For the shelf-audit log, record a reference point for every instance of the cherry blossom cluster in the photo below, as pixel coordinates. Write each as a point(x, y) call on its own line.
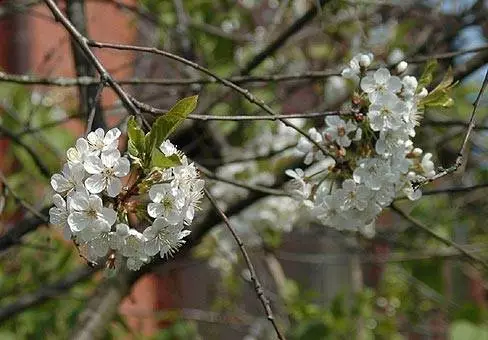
point(374, 159)
point(137, 221)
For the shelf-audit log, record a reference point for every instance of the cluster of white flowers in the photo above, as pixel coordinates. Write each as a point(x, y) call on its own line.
point(94, 209)
point(375, 159)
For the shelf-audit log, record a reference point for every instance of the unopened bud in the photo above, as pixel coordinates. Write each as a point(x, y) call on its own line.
point(364, 60)
point(417, 152)
point(423, 93)
point(401, 67)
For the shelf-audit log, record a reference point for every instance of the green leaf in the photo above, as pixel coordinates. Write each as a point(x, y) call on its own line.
point(428, 73)
point(136, 138)
point(165, 125)
point(440, 95)
point(158, 159)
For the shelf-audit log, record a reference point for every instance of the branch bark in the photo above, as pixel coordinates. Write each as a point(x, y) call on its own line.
point(75, 10)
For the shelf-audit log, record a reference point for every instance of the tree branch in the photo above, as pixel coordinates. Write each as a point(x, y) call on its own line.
point(419, 225)
point(88, 95)
point(83, 44)
point(45, 293)
point(254, 278)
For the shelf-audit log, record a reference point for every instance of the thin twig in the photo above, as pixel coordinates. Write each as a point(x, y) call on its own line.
point(283, 37)
point(419, 225)
point(462, 150)
point(93, 109)
point(244, 92)
point(269, 155)
point(453, 190)
point(258, 188)
point(254, 278)
point(32, 130)
point(83, 42)
point(299, 76)
point(21, 201)
point(14, 138)
point(45, 293)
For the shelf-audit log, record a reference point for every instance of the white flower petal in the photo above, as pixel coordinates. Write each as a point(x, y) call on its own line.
point(110, 158)
point(79, 221)
point(122, 167)
point(111, 136)
point(79, 201)
point(93, 165)
point(152, 246)
point(95, 183)
point(60, 184)
point(109, 215)
point(114, 186)
point(155, 209)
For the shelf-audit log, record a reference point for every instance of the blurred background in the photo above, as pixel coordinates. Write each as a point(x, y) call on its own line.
point(394, 282)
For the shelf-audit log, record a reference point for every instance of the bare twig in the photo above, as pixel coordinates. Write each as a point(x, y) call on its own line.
point(14, 138)
point(452, 190)
point(462, 150)
point(244, 92)
point(21, 201)
point(14, 235)
point(45, 293)
point(258, 188)
point(75, 9)
point(419, 225)
point(91, 116)
point(283, 37)
point(257, 285)
point(299, 76)
point(83, 42)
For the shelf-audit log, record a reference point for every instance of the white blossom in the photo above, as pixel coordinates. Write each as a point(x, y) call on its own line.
point(354, 69)
point(353, 195)
point(380, 83)
point(427, 165)
point(88, 212)
point(106, 172)
point(79, 153)
point(401, 67)
point(305, 146)
point(163, 238)
point(299, 187)
point(71, 178)
point(386, 113)
point(167, 148)
point(58, 215)
point(100, 141)
point(167, 202)
point(134, 244)
point(338, 131)
point(117, 241)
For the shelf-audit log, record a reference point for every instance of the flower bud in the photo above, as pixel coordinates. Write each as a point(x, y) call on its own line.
point(417, 152)
point(364, 60)
point(423, 93)
point(401, 67)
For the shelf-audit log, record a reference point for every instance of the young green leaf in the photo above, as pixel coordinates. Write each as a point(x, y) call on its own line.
point(440, 96)
point(158, 159)
point(136, 138)
point(428, 74)
point(165, 125)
